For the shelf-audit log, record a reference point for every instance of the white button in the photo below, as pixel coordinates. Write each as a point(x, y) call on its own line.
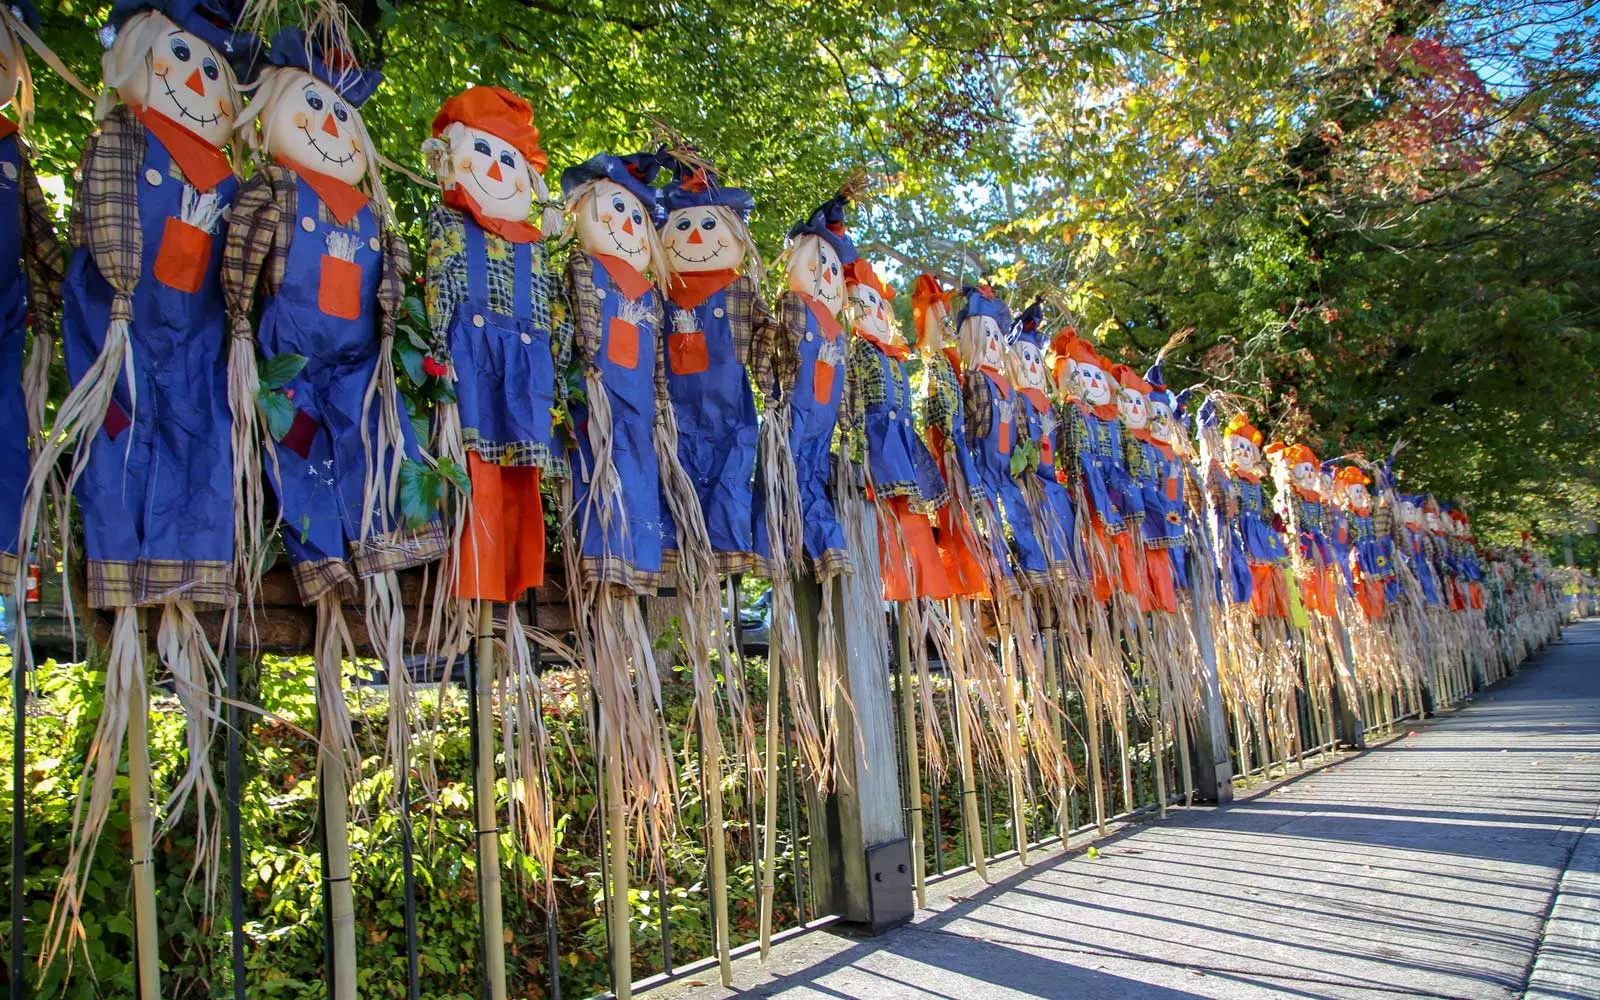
point(477, 320)
point(372, 244)
point(893, 415)
point(717, 312)
point(810, 335)
point(308, 223)
point(527, 338)
point(152, 177)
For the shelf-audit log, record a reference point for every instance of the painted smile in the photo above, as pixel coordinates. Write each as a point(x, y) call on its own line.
point(492, 196)
point(695, 260)
point(337, 161)
point(183, 109)
point(630, 251)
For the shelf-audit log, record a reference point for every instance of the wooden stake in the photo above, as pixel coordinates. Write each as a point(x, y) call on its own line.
point(1185, 773)
point(769, 833)
point(711, 771)
point(336, 835)
point(908, 726)
point(141, 814)
point(1091, 701)
point(1053, 695)
point(488, 834)
point(1158, 733)
point(617, 826)
point(1019, 820)
point(969, 785)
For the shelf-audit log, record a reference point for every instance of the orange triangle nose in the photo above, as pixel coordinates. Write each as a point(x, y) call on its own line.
point(827, 276)
point(494, 170)
point(694, 236)
point(627, 226)
point(330, 126)
point(196, 83)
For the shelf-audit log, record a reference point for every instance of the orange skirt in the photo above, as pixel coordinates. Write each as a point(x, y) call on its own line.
point(912, 563)
point(1158, 581)
point(1369, 594)
point(502, 553)
point(1269, 592)
point(1316, 590)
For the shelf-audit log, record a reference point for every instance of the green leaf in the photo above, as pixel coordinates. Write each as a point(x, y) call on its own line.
point(411, 360)
point(280, 369)
point(278, 409)
point(421, 491)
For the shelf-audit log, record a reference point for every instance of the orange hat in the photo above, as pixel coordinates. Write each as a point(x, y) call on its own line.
point(859, 272)
point(925, 294)
point(498, 112)
point(1068, 344)
point(1240, 426)
point(1297, 453)
point(1130, 379)
point(1351, 475)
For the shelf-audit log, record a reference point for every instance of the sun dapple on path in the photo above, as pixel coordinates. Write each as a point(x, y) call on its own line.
point(1460, 861)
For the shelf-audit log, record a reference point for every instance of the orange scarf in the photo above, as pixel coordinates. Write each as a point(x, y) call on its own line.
point(8, 128)
point(203, 164)
point(343, 200)
point(1000, 381)
point(690, 289)
point(510, 230)
point(629, 280)
point(827, 322)
point(897, 351)
point(1040, 401)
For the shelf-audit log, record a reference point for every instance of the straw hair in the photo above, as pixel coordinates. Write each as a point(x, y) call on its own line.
point(24, 33)
point(129, 57)
point(582, 200)
point(12, 53)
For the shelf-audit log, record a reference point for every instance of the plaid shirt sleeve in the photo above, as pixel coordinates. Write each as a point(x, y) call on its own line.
point(446, 277)
point(663, 394)
point(105, 206)
point(41, 252)
point(977, 407)
point(392, 280)
point(253, 247)
point(585, 303)
point(555, 292)
point(774, 365)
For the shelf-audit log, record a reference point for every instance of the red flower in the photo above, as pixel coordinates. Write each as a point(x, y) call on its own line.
point(432, 367)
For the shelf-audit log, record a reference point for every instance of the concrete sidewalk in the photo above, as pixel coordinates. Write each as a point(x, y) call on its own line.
point(1426, 868)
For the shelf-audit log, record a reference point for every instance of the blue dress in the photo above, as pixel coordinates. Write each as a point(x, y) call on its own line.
point(157, 490)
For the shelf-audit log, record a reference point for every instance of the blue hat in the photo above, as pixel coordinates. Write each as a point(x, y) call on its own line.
point(636, 172)
point(1159, 392)
point(982, 301)
point(1209, 415)
point(26, 13)
point(827, 221)
point(1030, 325)
point(696, 187)
point(213, 21)
point(336, 67)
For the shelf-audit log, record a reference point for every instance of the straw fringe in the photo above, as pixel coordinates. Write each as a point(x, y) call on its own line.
point(526, 742)
point(197, 681)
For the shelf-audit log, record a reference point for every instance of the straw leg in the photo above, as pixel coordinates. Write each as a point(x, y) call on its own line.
point(1096, 773)
point(908, 724)
point(769, 832)
point(1128, 805)
point(494, 941)
point(19, 816)
point(617, 824)
point(141, 814)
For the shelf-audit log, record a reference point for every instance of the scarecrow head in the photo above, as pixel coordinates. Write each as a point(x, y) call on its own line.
point(15, 79)
point(930, 311)
point(486, 153)
point(869, 299)
point(1304, 469)
point(1431, 516)
point(181, 59)
point(1082, 374)
point(819, 249)
point(706, 226)
point(981, 328)
point(614, 207)
point(308, 101)
point(1411, 511)
point(1242, 444)
point(1161, 422)
point(1132, 403)
point(1027, 349)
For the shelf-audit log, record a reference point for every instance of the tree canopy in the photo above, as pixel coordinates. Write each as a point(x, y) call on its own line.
point(1373, 220)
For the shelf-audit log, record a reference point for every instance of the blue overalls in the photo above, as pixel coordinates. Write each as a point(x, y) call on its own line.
point(505, 373)
point(993, 457)
point(1164, 523)
point(1423, 566)
point(327, 312)
point(158, 485)
point(632, 541)
point(716, 412)
point(1061, 525)
point(897, 458)
point(13, 334)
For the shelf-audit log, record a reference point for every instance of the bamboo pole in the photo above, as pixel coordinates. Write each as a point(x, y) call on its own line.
point(908, 725)
point(1092, 710)
point(1053, 694)
point(1185, 771)
point(1158, 740)
point(342, 908)
point(488, 834)
point(1019, 820)
point(617, 827)
point(769, 833)
point(141, 815)
point(969, 785)
point(711, 772)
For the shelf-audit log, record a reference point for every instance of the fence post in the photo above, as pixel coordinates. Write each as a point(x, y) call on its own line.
point(859, 849)
point(1213, 767)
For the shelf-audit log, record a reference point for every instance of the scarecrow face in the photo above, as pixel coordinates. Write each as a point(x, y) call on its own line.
point(1091, 383)
point(1243, 454)
point(1030, 366)
point(814, 270)
point(984, 332)
point(1308, 477)
point(1160, 421)
point(11, 62)
point(702, 239)
point(1356, 495)
point(316, 128)
point(616, 223)
point(494, 173)
point(1131, 404)
point(185, 83)
point(1430, 517)
point(1411, 514)
point(873, 316)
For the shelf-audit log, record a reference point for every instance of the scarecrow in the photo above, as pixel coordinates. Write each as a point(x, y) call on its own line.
point(314, 276)
point(501, 331)
point(147, 418)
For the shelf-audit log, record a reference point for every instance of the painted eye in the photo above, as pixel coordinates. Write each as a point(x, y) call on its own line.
point(340, 113)
point(211, 70)
point(180, 49)
point(617, 205)
point(479, 146)
point(683, 225)
point(508, 159)
point(314, 100)
point(638, 219)
point(708, 223)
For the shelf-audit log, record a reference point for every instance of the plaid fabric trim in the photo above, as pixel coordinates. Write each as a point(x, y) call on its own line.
point(516, 454)
point(865, 366)
point(392, 279)
point(9, 566)
point(775, 358)
point(115, 584)
point(397, 550)
point(732, 563)
point(624, 578)
point(257, 247)
point(41, 253)
point(313, 579)
point(585, 301)
point(754, 329)
point(834, 562)
point(105, 204)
